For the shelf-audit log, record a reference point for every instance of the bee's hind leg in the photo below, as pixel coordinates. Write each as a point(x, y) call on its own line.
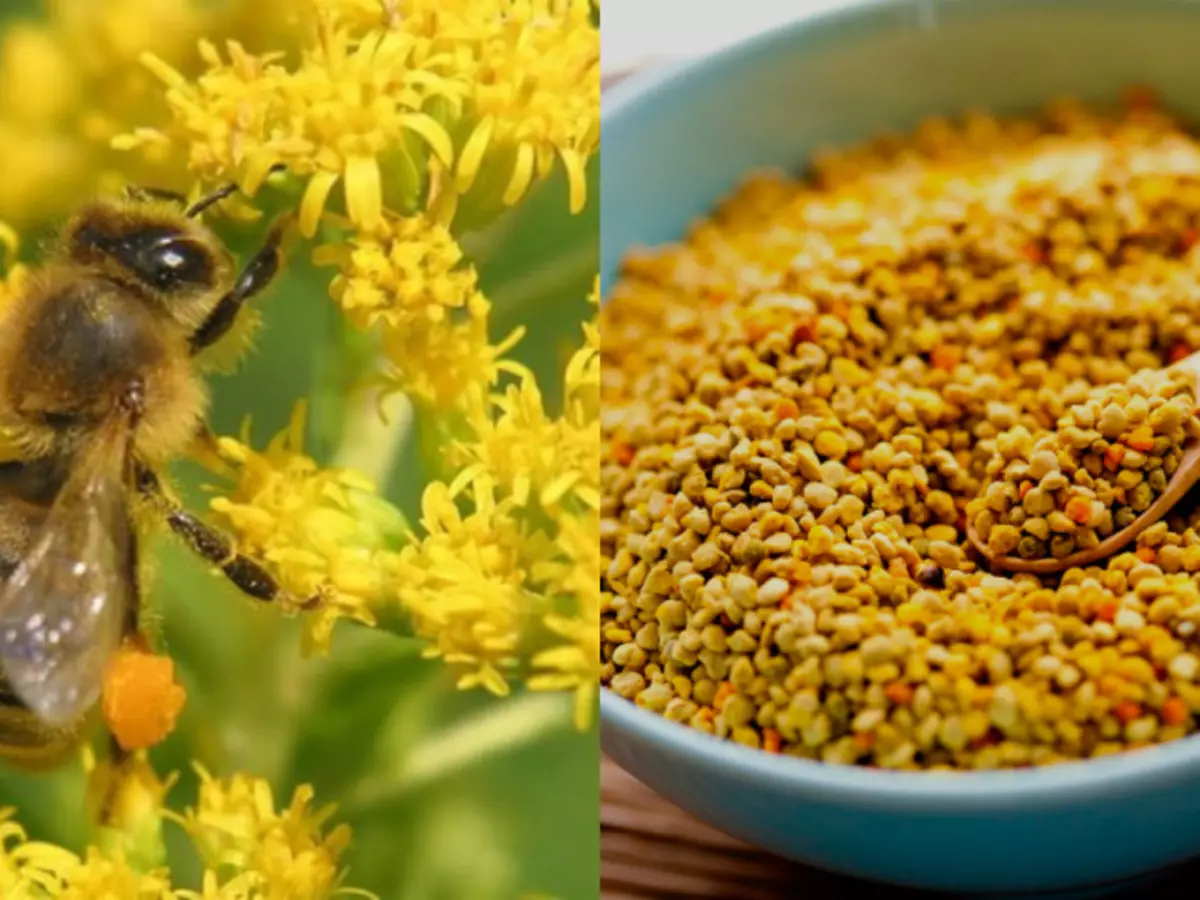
point(258, 273)
point(215, 547)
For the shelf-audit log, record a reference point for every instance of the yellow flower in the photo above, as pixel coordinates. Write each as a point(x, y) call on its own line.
point(464, 582)
point(575, 663)
point(521, 567)
point(534, 71)
point(535, 457)
point(445, 363)
point(409, 272)
point(410, 279)
point(32, 870)
point(553, 462)
point(101, 876)
point(125, 802)
point(350, 111)
point(236, 828)
point(407, 105)
point(309, 525)
point(251, 850)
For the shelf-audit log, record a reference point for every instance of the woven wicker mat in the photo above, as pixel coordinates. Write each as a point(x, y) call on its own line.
point(652, 850)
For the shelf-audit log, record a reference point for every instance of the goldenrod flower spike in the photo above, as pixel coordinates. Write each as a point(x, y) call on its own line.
point(33, 870)
point(520, 567)
point(305, 523)
point(533, 73)
point(252, 851)
point(463, 583)
point(125, 806)
point(408, 105)
point(575, 663)
point(409, 279)
point(408, 272)
point(347, 105)
point(283, 853)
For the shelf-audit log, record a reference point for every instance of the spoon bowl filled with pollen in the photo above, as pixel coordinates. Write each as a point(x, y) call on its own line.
point(1113, 466)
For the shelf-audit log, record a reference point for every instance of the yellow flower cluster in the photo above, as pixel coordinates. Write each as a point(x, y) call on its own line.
point(410, 280)
point(412, 106)
point(420, 119)
point(251, 851)
point(311, 525)
point(271, 854)
point(70, 82)
point(521, 568)
point(506, 564)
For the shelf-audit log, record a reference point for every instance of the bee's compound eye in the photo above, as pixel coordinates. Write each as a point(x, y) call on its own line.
point(175, 263)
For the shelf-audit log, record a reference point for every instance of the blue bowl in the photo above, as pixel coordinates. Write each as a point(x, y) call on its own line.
point(673, 142)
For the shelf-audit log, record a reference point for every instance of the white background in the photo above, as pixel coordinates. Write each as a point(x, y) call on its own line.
point(639, 32)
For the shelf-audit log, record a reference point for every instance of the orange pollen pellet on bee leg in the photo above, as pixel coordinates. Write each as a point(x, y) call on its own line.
point(141, 699)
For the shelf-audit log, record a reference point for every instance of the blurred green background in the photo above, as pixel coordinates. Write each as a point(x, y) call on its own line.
point(450, 794)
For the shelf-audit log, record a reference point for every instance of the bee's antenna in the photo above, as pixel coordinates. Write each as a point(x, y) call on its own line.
point(221, 193)
point(205, 202)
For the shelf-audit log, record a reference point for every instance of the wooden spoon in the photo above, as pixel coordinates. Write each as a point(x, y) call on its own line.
point(1181, 482)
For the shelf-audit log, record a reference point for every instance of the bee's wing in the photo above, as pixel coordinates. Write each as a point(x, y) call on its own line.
point(62, 610)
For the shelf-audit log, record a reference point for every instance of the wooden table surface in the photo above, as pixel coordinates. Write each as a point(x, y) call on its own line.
point(652, 850)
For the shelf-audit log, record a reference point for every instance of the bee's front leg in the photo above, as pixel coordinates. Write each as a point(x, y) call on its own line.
point(215, 547)
point(258, 273)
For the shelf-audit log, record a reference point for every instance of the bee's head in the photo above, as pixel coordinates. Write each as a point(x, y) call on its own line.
point(152, 248)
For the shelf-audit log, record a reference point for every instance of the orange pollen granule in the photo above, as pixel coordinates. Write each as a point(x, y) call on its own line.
point(141, 699)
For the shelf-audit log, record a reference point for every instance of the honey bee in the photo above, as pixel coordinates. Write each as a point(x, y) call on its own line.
point(100, 386)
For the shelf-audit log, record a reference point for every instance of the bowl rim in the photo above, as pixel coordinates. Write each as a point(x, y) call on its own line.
point(1158, 766)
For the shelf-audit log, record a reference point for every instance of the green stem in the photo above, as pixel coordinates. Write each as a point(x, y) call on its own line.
point(542, 281)
point(481, 244)
point(511, 723)
point(376, 432)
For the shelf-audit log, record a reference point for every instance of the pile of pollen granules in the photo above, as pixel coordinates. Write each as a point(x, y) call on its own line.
point(801, 399)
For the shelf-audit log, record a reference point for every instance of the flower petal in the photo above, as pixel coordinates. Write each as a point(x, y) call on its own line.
point(522, 175)
point(316, 195)
point(165, 72)
point(434, 134)
point(364, 194)
point(472, 153)
point(258, 167)
point(576, 179)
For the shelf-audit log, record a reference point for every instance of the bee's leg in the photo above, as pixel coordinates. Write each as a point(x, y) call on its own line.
point(118, 755)
point(132, 624)
point(257, 274)
point(213, 546)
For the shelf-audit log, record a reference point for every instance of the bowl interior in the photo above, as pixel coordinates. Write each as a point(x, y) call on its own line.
point(674, 141)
